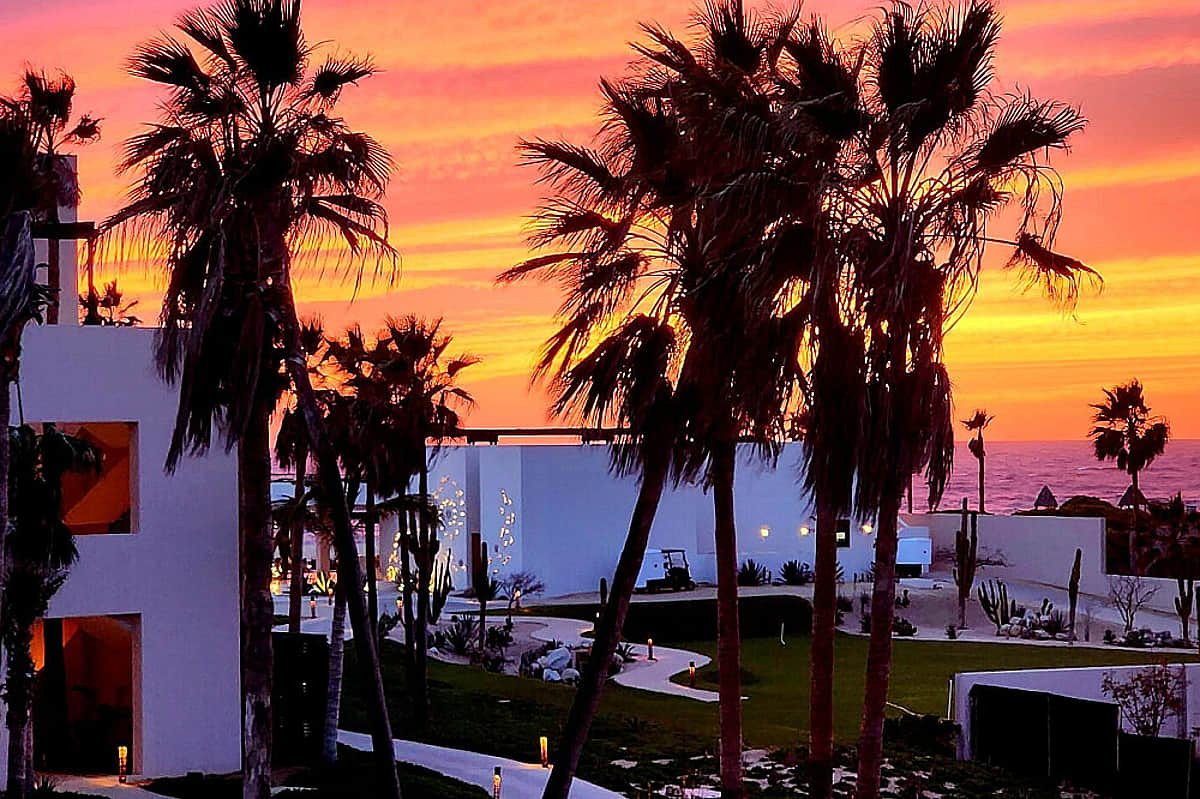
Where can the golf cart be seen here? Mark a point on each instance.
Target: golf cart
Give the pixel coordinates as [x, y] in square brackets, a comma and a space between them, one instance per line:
[663, 569]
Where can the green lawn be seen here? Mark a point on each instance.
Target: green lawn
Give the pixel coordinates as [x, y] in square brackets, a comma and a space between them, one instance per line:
[504, 715]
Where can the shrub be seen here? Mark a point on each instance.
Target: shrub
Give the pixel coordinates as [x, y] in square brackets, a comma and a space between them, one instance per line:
[678, 621]
[459, 637]
[795, 573]
[951, 632]
[904, 600]
[752, 573]
[924, 734]
[498, 639]
[864, 623]
[1056, 623]
[625, 652]
[903, 627]
[844, 604]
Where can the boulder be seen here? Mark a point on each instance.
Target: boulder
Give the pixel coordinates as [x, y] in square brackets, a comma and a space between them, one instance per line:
[570, 676]
[558, 659]
[550, 675]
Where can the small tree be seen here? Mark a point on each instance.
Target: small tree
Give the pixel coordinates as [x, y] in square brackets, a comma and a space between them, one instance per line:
[1183, 607]
[976, 424]
[1128, 595]
[1073, 589]
[520, 585]
[1148, 697]
[966, 552]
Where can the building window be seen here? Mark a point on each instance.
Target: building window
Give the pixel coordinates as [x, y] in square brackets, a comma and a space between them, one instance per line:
[843, 533]
[104, 503]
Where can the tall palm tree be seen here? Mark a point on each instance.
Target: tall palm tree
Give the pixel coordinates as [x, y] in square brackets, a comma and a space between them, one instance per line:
[41, 550]
[1127, 432]
[678, 274]
[940, 154]
[34, 125]
[976, 425]
[249, 164]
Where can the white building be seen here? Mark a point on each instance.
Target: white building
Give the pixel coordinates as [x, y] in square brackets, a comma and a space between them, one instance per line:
[140, 647]
[556, 510]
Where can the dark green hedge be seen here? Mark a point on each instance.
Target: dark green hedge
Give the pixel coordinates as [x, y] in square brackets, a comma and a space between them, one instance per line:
[678, 620]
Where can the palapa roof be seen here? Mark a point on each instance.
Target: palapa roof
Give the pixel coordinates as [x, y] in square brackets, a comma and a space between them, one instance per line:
[1128, 498]
[1045, 499]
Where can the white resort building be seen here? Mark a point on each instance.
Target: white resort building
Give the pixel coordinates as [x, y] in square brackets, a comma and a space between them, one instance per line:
[140, 647]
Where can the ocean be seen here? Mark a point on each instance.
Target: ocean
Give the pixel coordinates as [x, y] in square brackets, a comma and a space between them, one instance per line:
[1017, 470]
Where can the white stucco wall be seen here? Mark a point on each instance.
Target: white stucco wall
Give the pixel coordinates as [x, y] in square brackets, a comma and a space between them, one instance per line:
[178, 571]
[572, 514]
[1073, 683]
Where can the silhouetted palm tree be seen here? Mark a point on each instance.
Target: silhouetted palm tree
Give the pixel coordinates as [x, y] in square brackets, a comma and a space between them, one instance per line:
[674, 256]
[249, 164]
[34, 125]
[940, 155]
[976, 425]
[41, 550]
[1127, 432]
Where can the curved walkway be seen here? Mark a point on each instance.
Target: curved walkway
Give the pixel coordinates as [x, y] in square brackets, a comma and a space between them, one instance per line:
[523, 780]
[648, 675]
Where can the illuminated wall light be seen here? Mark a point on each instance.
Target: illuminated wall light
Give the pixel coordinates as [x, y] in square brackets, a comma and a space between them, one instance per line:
[868, 528]
[122, 763]
[764, 531]
[805, 530]
[544, 749]
[496, 783]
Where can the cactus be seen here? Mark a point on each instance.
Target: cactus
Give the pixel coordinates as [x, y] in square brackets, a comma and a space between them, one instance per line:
[1047, 607]
[603, 592]
[993, 598]
[442, 586]
[965, 561]
[1183, 607]
[1073, 592]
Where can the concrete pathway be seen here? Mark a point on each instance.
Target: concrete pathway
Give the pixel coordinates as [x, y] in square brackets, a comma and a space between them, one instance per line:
[519, 780]
[648, 675]
[106, 786]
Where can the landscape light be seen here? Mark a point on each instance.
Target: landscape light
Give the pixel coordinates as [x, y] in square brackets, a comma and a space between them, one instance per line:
[804, 530]
[544, 748]
[764, 531]
[122, 763]
[496, 783]
[692, 673]
[517, 597]
[649, 649]
[868, 528]
[312, 607]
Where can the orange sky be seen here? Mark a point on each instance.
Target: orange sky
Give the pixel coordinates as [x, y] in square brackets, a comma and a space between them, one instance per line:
[463, 79]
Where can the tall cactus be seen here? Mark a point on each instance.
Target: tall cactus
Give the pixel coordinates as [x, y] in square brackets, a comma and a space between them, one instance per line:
[993, 598]
[965, 560]
[1073, 591]
[1183, 607]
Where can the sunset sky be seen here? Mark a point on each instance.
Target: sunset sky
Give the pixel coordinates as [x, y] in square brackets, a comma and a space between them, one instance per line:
[464, 79]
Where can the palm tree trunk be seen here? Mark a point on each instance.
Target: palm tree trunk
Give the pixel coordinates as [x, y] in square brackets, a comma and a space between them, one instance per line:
[729, 641]
[608, 629]
[369, 553]
[258, 609]
[350, 576]
[1133, 528]
[425, 549]
[333, 694]
[407, 537]
[5, 414]
[296, 570]
[982, 458]
[820, 710]
[19, 695]
[879, 653]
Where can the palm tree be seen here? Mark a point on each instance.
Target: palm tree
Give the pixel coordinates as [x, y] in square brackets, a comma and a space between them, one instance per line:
[41, 550]
[34, 124]
[976, 425]
[664, 261]
[939, 156]
[402, 393]
[248, 164]
[1127, 432]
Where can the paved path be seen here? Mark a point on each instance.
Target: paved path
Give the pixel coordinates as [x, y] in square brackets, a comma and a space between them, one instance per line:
[645, 674]
[103, 786]
[520, 780]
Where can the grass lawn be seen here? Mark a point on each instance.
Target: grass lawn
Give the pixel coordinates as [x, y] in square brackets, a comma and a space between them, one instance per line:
[504, 715]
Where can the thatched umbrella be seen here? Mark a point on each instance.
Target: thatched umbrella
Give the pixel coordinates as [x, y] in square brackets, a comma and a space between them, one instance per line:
[1045, 499]
[1133, 497]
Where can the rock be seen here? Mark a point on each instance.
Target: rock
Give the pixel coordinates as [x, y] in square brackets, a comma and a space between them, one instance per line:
[1005, 629]
[550, 675]
[1061, 637]
[558, 659]
[1041, 635]
[570, 676]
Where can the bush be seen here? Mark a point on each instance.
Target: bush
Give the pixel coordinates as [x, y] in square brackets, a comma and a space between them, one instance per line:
[845, 605]
[752, 573]
[679, 621]
[625, 652]
[903, 627]
[951, 632]
[795, 573]
[498, 638]
[460, 637]
[924, 734]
